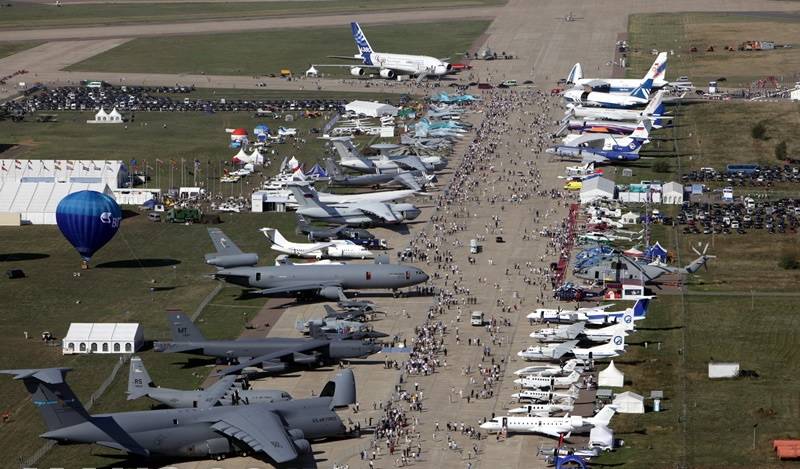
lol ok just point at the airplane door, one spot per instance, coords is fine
(505, 422)
(369, 275)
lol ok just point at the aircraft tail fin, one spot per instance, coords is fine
(618, 341)
(138, 379)
(361, 39)
(603, 418)
(342, 389)
(627, 320)
(51, 394)
(654, 105)
(332, 168)
(575, 73)
(643, 90)
(315, 331)
(658, 70)
(329, 311)
(642, 130)
(305, 197)
(182, 327)
(640, 307)
(570, 365)
(274, 236)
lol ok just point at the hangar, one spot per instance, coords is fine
(34, 188)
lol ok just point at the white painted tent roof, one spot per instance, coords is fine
(371, 108)
(115, 332)
(672, 187)
(628, 396)
(601, 183)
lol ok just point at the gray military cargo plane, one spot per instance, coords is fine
(270, 354)
(414, 180)
(226, 391)
(357, 213)
(279, 431)
(326, 281)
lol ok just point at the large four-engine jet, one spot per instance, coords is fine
(226, 391)
(620, 85)
(279, 432)
(270, 354)
(358, 214)
(389, 65)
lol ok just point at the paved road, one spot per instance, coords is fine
(239, 25)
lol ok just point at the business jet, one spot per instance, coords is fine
(542, 410)
(334, 249)
(550, 426)
(390, 65)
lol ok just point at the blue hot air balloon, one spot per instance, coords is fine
(88, 219)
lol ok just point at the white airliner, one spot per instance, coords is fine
(390, 65)
(655, 109)
(548, 370)
(613, 348)
(620, 85)
(542, 410)
(335, 249)
(550, 426)
(638, 97)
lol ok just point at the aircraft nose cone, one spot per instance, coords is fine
(550, 151)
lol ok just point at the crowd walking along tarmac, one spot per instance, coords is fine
(497, 194)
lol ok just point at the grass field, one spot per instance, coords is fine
(679, 32)
(262, 53)
(169, 136)
(11, 48)
(117, 289)
(40, 15)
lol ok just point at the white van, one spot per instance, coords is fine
(476, 319)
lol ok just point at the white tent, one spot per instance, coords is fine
(629, 403)
(103, 338)
(101, 116)
(241, 157)
(672, 193)
(371, 108)
(596, 189)
(312, 72)
(611, 377)
(256, 157)
(114, 116)
(629, 218)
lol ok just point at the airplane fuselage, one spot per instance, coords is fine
(404, 63)
(190, 432)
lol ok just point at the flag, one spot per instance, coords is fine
(159, 161)
(173, 162)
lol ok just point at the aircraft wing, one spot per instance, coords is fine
(412, 162)
(381, 211)
(561, 349)
(270, 357)
(262, 431)
(587, 138)
(298, 287)
(574, 329)
(592, 158)
(217, 391)
(545, 431)
(346, 65)
(409, 181)
(222, 243)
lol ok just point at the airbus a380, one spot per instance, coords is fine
(390, 65)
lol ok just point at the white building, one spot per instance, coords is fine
(672, 193)
(371, 108)
(718, 370)
(103, 338)
(596, 189)
(629, 403)
(34, 188)
(611, 377)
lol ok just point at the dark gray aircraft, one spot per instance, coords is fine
(408, 179)
(226, 391)
(270, 354)
(279, 431)
(363, 213)
(324, 280)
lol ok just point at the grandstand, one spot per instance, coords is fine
(34, 188)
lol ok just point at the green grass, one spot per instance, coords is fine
(40, 15)
(51, 297)
(295, 49)
(679, 32)
(11, 48)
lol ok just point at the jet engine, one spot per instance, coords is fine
(299, 440)
(386, 73)
(357, 71)
(330, 293)
(233, 260)
(273, 367)
(211, 447)
(576, 421)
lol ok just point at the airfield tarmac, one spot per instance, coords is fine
(546, 47)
